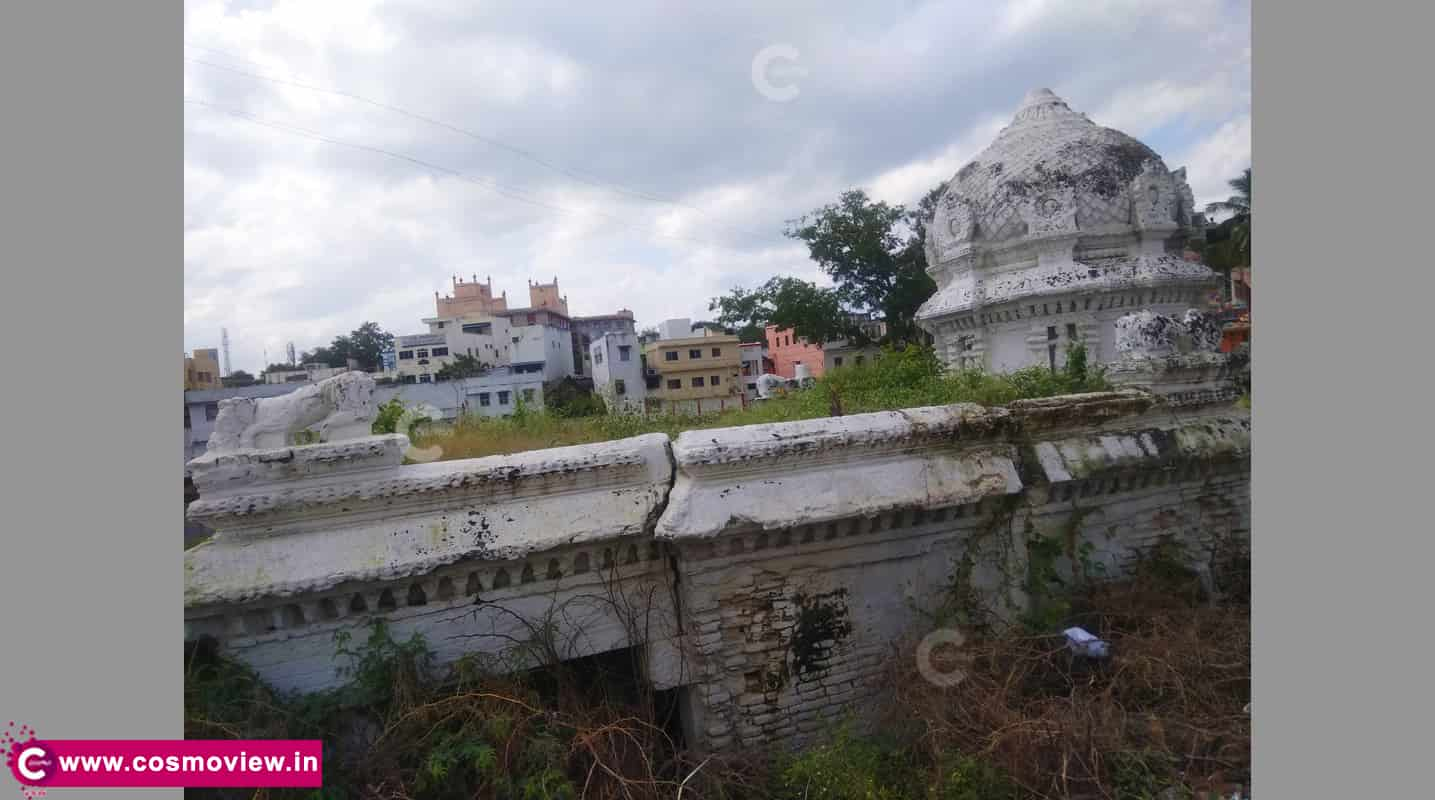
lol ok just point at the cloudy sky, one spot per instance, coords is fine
(343, 159)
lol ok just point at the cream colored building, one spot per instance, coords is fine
(201, 371)
(696, 374)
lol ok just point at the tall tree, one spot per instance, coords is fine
(1238, 227)
(874, 253)
(365, 344)
(810, 311)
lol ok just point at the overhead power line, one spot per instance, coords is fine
(578, 175)
(506, 191)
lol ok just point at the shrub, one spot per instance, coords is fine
(967, 778)
(850, 768)
(387, 417)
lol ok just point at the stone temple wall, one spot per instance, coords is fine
(765, 571)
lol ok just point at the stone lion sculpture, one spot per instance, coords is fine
(337, 408)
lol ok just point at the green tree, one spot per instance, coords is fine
(875, 254)
(462, 366)
(1237, 228)
(811, 311)
(238, 378)
(365, 344)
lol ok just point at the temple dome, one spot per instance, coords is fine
(1053, 172)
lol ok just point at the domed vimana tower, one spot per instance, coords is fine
(1053, 234)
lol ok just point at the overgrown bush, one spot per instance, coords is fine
(387, 417)
(565, 398)
(850, 768)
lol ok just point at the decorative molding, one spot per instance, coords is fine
(309, 536)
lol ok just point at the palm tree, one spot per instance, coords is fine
(1239, 206)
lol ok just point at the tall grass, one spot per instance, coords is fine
(907, 378)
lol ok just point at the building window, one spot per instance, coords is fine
(1051, 346)
(715, 380)
(406, 355)
(440, 326)
(625, 352)
(691, 354)
(697, 383)
(503, 398)
(1071, 331)
(619, 387)
(532, 319)
(837, 361)
(211, 411)
(597, 356)
(422, 353)
(527, 395)
(425, 378)
(440, 351)
(717, 351)
(515, 340)
(675, 383)
(671, 355)
(483, 399)
(186, 417)
(479, 328)
(411, 379)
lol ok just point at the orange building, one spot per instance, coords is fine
(787, 350)
(545, 295)
(469, 299)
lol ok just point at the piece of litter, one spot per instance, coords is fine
(1082, 642)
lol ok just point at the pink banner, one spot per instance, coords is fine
(236, 763)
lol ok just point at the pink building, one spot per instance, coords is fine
(787, 350)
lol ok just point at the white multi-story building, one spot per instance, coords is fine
(587, 330)
(419, 357)
(618, 372)
(540, 340)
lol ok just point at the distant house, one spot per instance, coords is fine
(696, 374)
(618, 371)
(201, 370)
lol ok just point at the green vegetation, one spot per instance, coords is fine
(848, 767)
(874, 253)
(907, 378)
(1164, 719)
(365, 344)
(462, 366)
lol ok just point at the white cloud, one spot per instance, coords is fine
(288, 238)
(1213, 161)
